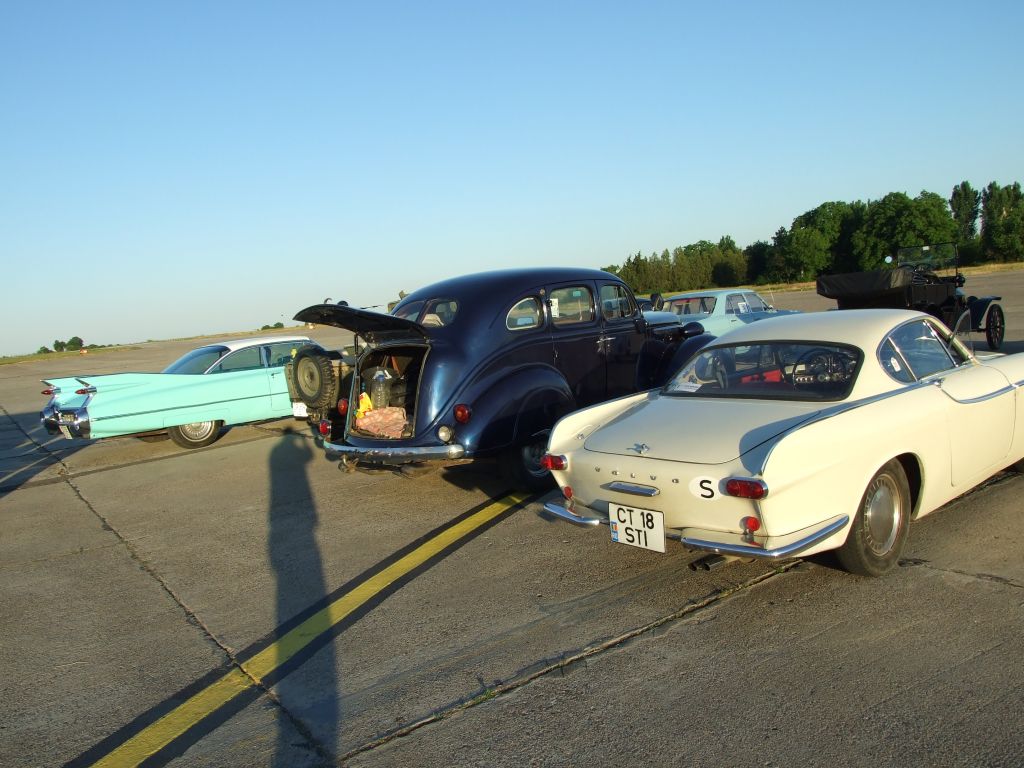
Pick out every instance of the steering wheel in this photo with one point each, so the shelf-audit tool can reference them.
(820, 365)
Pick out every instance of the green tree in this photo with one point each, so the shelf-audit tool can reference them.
(1002, 222)
(965, 203)
(897, 220)
(58, 345)
(74, 343)
(43, 351)
(757, 261)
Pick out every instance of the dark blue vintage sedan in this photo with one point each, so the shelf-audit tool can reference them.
(482, 366)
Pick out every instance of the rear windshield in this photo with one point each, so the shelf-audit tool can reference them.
(770, 370)
(692, 305)
(429, 313)
(197, 361)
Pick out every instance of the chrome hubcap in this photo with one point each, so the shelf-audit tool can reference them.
(200, 430)
(882, 515)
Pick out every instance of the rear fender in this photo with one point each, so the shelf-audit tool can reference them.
(516, 408)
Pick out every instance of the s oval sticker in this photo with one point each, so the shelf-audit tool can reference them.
(704, 487)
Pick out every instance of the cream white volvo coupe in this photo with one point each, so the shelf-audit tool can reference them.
(795, 435)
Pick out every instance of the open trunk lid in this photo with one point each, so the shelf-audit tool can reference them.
(374, 327)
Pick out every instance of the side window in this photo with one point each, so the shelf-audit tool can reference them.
(242, 360)
(525, 314)
(281, 352)
(616, 303)
(755, 302)
(571, 305)
(893, 363)
(921, 348)
(735, 304)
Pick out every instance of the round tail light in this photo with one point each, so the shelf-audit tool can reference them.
(324, 428)
(462, 413)
(343, 406)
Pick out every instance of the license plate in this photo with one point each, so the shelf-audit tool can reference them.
(65, 431)
(643, 528)
(299, 410)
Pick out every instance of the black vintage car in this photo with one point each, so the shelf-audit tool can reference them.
(926, 278)
(482, 366)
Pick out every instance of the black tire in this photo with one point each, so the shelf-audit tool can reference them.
(995, 327)
(521, 466)
(196, 435)
(314, 379)
(879, 530)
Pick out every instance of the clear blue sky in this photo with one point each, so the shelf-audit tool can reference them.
(175, 168)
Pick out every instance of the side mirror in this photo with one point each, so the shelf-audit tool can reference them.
(657, 301)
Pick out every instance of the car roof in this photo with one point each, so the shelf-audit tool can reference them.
(864, 328)
(255, 341)
(505, 282)
(709, 292)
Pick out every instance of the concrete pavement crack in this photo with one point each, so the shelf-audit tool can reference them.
(193, 618)
(567, 664)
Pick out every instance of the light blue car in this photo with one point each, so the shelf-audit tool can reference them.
(232, 382)
(721, 310)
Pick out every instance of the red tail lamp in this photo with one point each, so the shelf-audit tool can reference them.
(567, 492)
(550, 461)
(750, 524)
(745, 488)
(49, 391)
(324, 427)
(343, 406)
(462, 413)
(85, 391)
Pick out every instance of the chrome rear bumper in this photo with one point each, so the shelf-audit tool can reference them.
(73, 423)
(395, 455)
(722, 542)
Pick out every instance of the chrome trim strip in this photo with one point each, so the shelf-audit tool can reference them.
(790, 550)
(395, 455)
(634, 488)
(172, 408)
(982, 398)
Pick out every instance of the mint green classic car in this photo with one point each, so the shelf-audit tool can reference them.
(232, 382)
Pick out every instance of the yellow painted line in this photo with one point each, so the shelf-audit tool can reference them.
(155, 737)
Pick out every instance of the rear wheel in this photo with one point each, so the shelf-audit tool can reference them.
(314, 379)
(195, 435)
(880, 526)
(521, 466)
(995, 327)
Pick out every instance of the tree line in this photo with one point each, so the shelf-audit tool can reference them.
(840, 237)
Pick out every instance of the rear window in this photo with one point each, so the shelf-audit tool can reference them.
(693, 305)
(196, 361)
(431, 313)
(771, 371)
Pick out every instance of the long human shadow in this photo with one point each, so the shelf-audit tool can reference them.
(307, 686)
